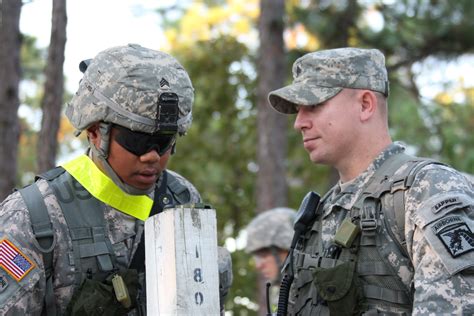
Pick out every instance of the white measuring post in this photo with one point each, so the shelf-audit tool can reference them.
(182, 276)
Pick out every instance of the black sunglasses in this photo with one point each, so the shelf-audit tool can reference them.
(139, 143)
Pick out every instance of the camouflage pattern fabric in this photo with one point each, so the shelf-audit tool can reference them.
(272, 228)
(321, 75)
(122, 84)
(26, 296)
(439, 222)
(225, 274)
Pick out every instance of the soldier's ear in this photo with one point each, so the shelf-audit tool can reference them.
(93, 134)
(368, 104)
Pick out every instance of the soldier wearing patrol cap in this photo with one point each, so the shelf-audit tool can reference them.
(395, 235)
(73, 240)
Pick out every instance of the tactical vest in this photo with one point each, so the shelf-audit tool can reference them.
(359, 279)
(93, 256)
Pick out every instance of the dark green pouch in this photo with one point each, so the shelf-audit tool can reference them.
(98, 298)
(340, 288)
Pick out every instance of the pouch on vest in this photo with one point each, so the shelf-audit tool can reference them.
(340, 288)
(98, 298)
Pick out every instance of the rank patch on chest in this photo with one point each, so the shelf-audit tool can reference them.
(455, 235)
(13, 261)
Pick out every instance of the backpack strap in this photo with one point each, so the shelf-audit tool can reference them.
(51, 174)
(369, 205)
(92, 253)
(45, 239)
(180, 192)
(366, 205)
(398, 187)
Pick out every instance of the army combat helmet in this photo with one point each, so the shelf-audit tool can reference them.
(272, 228)
(122, 85)
(132, 88)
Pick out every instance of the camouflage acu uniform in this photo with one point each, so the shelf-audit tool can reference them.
(26, 297)
(122, 86)
(442, 283)
(436, 265)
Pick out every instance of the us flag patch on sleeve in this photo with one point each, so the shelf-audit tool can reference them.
(13, 261)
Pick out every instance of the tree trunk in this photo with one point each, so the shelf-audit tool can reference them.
(53, 89)
(272, 188)
(10, 43)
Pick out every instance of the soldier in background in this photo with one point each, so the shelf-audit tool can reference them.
(395, 235)
(269, 237)
(73, 240)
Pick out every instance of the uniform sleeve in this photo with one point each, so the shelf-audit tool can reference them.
(439, 226)
(22, 280)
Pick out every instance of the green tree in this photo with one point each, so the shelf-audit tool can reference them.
(271, 126)
(52, 101)
(410, 33)
(218, 153)
(9, 86)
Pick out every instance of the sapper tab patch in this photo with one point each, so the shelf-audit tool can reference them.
(455, 234)
(13, 261)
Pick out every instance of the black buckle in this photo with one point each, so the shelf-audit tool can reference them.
(368, 224)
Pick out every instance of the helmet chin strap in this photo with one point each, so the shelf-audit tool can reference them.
(100, 155)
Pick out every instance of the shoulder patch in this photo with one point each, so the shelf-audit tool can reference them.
(455, 235)
(13, 261)
(446, 203)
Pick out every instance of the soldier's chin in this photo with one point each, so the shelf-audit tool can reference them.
(144, 182)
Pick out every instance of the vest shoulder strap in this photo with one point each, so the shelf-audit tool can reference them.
(51, 174)
(403, 182)
(86, 228)
(180, 192)
(396, 186)
(45, 239)
(39, 216)
(391, 182)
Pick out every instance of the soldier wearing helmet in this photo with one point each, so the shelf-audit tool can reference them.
(269, 237)
(68, 239)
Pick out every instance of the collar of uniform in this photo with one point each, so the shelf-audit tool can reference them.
(349, 194)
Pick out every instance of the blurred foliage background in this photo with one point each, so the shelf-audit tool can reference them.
(217, 42)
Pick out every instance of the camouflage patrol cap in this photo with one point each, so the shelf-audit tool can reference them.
(122, 84)
(319, 76)
(272, 228)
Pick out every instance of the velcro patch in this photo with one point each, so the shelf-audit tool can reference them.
(445, 203)
(455, 235)
(3, 282)
(13, 261)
